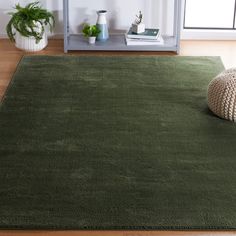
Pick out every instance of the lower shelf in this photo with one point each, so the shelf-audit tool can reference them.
(116, 43)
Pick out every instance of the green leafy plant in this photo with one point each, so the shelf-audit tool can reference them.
(29, 21)
(91, 30)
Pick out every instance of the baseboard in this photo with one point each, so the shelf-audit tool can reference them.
(190, 34)
(3, 36)
(56, 36)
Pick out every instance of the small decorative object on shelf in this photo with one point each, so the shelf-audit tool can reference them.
(150, 34)
(102, 26)
(148, 37)
(91, 32)
(138, 27)
(27, 26)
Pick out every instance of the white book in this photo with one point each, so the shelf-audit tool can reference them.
(142, 42)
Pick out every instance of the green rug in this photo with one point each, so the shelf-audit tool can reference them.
(115, 143)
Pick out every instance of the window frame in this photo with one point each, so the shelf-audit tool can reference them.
(209, 28)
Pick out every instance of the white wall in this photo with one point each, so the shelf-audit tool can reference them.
(121, 13)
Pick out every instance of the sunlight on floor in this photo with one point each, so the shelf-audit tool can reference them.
(225, 49)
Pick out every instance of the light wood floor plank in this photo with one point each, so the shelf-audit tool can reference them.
(115, 233)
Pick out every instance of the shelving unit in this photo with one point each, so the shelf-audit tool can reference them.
(116, 42)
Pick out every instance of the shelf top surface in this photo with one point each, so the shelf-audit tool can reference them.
(113, 43)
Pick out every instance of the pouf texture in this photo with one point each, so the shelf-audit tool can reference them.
(222, 95)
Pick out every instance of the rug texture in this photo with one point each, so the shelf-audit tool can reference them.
(115, 143)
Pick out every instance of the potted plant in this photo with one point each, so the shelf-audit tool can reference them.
(27, 26)
(91, 32)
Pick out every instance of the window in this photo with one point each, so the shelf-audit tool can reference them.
(210, 14)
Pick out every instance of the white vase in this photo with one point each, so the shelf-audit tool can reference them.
(29, 43)
(102, 26)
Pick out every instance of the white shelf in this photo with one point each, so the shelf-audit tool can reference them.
(117, 43)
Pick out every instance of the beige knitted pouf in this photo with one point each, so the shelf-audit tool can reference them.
(222, 95)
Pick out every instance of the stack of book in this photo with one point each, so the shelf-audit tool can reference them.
(149, 37)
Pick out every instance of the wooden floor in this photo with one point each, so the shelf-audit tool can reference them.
(9, 58)
(113, 233)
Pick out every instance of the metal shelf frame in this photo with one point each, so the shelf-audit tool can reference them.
(116, 42)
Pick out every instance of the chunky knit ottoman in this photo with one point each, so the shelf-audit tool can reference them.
(222, 95)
